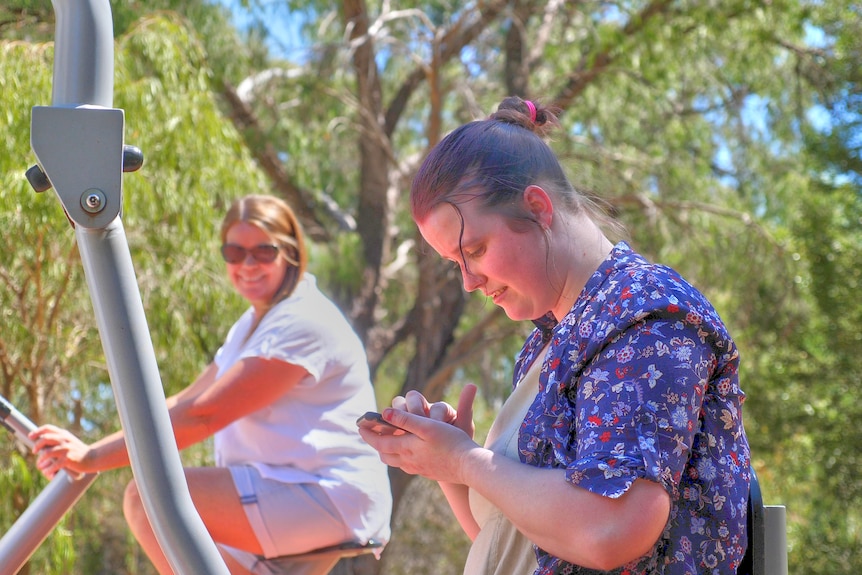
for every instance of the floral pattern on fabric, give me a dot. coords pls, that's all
(641, 381)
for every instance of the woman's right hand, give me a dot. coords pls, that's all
(58, 449)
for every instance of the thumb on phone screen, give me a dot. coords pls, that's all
(464, 419)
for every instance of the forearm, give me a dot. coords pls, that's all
(110, 452)
(191, 427)
(458, 497)
(565, 520)
(194, 419)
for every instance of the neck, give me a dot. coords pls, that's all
(583, 247)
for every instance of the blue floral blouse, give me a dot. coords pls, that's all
(641, 381)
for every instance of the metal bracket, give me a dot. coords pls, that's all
(81, 152)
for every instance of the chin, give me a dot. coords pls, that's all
(514, 315)
(528, 313)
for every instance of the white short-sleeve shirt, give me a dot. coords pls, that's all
(309, 434)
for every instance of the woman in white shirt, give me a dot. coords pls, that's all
(281, 399)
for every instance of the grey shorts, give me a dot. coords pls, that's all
(288, 519)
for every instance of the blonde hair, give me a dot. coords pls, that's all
(274, 217)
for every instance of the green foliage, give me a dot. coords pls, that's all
(44, 331)
(195, 164)
(338, 267)
(823, 409)
(20, 484)
(30, 20)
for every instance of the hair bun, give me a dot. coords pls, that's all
(527, 114)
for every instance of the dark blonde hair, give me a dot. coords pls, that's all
(274, 217)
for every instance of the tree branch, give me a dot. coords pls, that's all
(449, 44)
(592, 65)
(302, 202)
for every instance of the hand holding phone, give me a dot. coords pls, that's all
(375, 422)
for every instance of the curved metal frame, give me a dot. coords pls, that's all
(78, 142)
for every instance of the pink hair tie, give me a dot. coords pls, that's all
(532, 108)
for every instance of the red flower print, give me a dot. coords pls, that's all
(621, 372)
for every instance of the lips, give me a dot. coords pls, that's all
(250, 280)
(254, 284)
(497, 294)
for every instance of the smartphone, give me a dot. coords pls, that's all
(375, 422)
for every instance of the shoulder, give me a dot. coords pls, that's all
(629, 294)
(308, 302)
(631, 286)
(307, 312)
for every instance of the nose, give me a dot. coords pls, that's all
(249, 260)
(472, 280)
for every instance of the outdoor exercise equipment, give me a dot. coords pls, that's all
(78, 142)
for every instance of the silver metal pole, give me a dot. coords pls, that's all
(45, 512)
(775, 521)
(141, 402)
(78, 142)
(41, 516)
(16, 422)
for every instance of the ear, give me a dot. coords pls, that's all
(538, 202)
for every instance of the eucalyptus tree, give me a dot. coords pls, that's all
(686, 118)
(821, 413)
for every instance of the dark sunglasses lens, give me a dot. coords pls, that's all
(265, 254)
(234, 254)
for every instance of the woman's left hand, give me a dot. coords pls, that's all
(462, 418)
(438, 439)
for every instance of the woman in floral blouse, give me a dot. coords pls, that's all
(629, 453)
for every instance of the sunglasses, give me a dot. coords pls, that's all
(236, 254)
